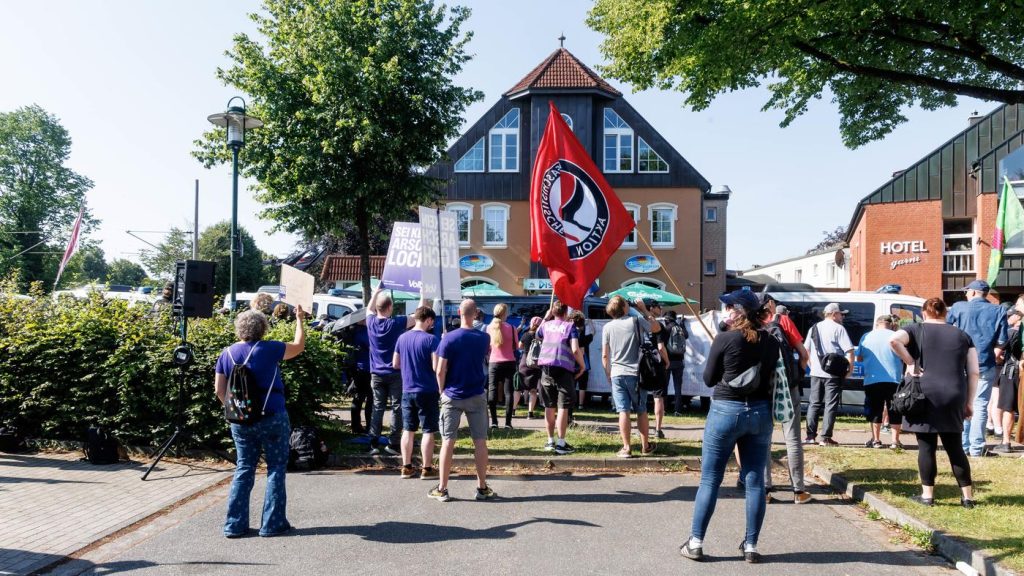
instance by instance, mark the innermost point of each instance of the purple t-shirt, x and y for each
(415, 351)
(465, 350)
(264, 364)
(556, 350)
(384, 332)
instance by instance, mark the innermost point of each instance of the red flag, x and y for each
(72, 244)
(576, 220)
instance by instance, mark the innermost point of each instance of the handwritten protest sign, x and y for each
(402, 266)
(296, 288)
(440, 263)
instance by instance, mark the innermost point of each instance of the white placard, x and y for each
(440, 262)
(297, 288)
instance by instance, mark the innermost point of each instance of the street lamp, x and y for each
(237, 122)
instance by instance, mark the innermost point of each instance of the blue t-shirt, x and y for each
(264, 364)
(985, 323)
(465, 350)
(880, 363)
(415, 351)
(361, 342)
(384, 332)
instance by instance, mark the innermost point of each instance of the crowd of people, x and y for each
(957, 357)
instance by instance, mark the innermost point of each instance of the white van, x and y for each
(335, 307)
(864, 307)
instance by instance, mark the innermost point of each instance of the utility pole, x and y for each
(195, 226)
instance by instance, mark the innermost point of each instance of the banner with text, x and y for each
(440, 263)
(402, 266)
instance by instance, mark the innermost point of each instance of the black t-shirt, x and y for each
(731, 355)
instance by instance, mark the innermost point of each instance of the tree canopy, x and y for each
(874, 58)
(357, 98)
(123, 271)
(39, 195)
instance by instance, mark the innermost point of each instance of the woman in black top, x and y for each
(948, 365)
(530, 377)
(739, 417)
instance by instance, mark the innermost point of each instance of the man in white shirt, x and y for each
(826, 337)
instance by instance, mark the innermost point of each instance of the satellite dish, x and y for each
(840, 258)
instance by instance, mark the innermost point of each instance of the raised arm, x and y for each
(298, 344)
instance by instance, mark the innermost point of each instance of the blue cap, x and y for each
(744, 299)
(979, 285)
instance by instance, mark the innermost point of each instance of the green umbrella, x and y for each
(637, 290)
(484, 289)
(396, 295)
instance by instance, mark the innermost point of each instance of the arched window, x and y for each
(663, 224)
(634, 210)
(495, 217)
(504, 139)
(470, 281)
(568, 120)
(463, 217)
(646, 281)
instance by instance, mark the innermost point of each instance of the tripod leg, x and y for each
(163, 450)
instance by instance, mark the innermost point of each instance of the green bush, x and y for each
(70, 363)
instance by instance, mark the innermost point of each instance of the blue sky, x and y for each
(133, 82)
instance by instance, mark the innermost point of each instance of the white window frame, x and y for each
(798, 275)
(778, 276)
(476, 281)
(644, 279)
(959, 256)
(483, 162)
(505, 134)
(830, 272)
(814, 271)
(641, 142)
(618, 132)
(456, 207)
(663, 245)
(484, 208)
(714, 267)
(711, 213)
(568, 120)
(634, 209)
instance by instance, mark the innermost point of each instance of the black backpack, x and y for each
(101, 447)
(242, 392)
(675, 344)
(306, 450)
(789, 356)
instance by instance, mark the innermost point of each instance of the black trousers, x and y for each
(362, 400)
(927, 446)
(499, 377)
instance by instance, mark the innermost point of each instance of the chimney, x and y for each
(973, 118)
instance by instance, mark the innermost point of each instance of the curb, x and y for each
(539, 463)
(954, 550)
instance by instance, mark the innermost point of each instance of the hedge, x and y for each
(67, 364)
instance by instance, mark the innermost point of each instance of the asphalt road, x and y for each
(357, 523)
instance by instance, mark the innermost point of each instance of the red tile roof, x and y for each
(562, 70)
(346, 268)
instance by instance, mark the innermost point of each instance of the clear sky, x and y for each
(134, 81)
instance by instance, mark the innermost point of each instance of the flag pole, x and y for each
(440, 267)
(676, 286)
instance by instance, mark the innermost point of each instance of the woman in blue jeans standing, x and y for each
(739, 368)
(270, 434)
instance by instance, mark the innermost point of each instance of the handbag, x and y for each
(909, 400)
(651, 370)
(782, 397)
(836, 365)
(533, 353)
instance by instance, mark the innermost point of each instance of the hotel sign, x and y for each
(908, 249)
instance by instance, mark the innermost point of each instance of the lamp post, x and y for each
(237, 122)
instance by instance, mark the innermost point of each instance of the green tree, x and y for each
(159, 262)
(94, 264)
(357, 97)
(874, 58)
(215, 245)
(123, 271)
(831, 238)
(39, 195)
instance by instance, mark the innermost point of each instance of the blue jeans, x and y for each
(269, 436)
(973, 437)
(730, 424)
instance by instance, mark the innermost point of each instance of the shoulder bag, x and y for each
(650, 369)
(782, 397)
(836, 365)
(909, 400)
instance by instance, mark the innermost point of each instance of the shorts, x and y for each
(662, 391)
(557, 387)
(627, 394)
(877, 397)
(583, 381)
(475, 409)
(531, 378)
(1008, 390)
(417, 406)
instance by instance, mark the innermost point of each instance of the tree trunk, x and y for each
(363, 224)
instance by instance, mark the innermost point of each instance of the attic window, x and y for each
(649, 160)
(473, 159)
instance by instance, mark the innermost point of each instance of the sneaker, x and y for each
(691, 552)
(969, 504)
(828, 442)
(508, 427)
(873, 444)
(529, 415)
(989, 431)
(897, 446)
(408, 471)
(485, 493)
(1002, 448)
(391, 451)
(428, 472)
(439, 494)
(998, 431)
(660, 434)
(810, 441)
(801, 497)
(750, 554)
(649, 450)
(549, 446)
(886, 428)
(374, 451)
(624, 453)
(563, 449)
(929, 502)
(494, 426)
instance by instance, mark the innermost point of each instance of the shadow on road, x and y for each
(620, 497)
(417, 533)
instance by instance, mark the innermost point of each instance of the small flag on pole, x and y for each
(72, 244)
(1009, 229)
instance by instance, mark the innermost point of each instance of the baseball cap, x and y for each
(744, 299)
(832, 308)
(979, 285)
(781, 309)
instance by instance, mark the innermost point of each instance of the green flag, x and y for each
(1009, 225)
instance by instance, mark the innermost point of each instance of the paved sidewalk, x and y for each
(54, 504)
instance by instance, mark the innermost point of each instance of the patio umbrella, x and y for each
(637, 290)
(484, 289)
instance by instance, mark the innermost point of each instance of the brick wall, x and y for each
(714, 249)
(898, 222)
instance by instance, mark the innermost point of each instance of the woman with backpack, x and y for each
(740, 367)
(502, 365)
(255, 364)
(530, 374)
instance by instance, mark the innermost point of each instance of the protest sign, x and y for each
(296, 288)
(440, 262)
(402, 266)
